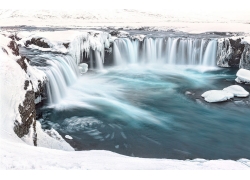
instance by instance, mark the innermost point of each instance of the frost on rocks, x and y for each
(217, 96)
(237, 90)
(243, 75)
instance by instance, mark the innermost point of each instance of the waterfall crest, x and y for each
(170, 50)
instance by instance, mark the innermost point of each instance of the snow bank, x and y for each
(237, 91)
(21, 156)
(12, 94)
(217, 96)
(243, 75)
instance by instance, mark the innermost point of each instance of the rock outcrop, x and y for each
(229, 52)
(26, 109)
(38, 42)
(245, 58)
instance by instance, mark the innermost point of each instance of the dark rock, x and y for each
(14, 37)
(245, 58)
(114, 33)
(4, 50)
(26, 84)
(38, 42)
(229, 53)
(28, 114)
(66, 45)
(14, 47)
(22, 63)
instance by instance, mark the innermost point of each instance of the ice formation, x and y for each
(237, 90)
(243, 75)
(217, 96)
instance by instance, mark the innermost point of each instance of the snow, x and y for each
(237, 90)
(68, 137)
(83, 68)
(243, 75)
(217, 96)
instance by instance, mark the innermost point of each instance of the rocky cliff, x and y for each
(233, 53)
(33, 87)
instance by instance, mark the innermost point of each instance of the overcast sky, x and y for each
(239, 6)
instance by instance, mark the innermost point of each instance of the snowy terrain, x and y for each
(17, 154)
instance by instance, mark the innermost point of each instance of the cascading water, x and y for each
(176, 51)
(142, 110)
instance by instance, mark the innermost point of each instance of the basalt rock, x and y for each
(245, 58)
(28, 117)
(14, 47)
(22, 63)
(229, 52)
(66, 45)
(38, 42)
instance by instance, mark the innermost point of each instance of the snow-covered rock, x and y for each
(229, 52)
(68, 137)
(245, 58)
(217, 96)
(83, 68)
(237, 90)
(243, 75)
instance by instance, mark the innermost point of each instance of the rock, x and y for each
(14, 47)
(22, 63)
(217, 96)
(28, 114)
(243, 75)
(38, 42)
(83, 68)
(237, 91)
(66, 45)
(229, 52)
(245, 58)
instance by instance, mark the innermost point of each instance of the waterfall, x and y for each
(61, 72)
(170, 50)
(90, 47)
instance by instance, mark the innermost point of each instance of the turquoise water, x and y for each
(145, 111)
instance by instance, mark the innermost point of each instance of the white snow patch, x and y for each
(243, 75)
(217, 96)
(68, 137)
(51, 139)
(237, 90)
(83, 68)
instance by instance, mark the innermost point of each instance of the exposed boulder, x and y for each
(14, 47)
(66, 45)
(38, 42)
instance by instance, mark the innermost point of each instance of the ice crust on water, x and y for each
(217, 96)
(237, 90)
(243, 75)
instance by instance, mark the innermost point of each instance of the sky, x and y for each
(239, 6)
